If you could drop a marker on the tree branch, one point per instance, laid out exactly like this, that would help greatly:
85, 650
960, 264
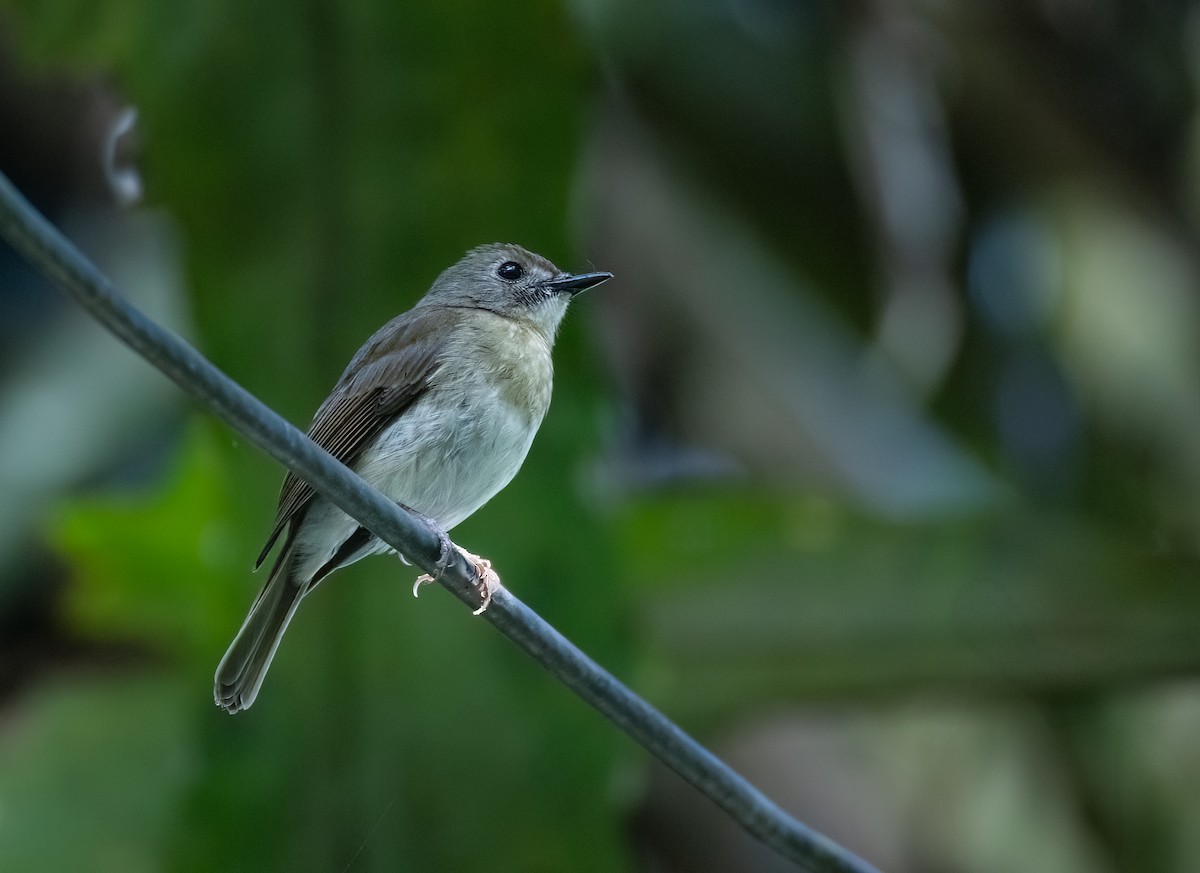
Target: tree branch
32, 235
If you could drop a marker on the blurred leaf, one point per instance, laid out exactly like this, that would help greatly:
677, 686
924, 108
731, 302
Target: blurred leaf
156, 569
787, 598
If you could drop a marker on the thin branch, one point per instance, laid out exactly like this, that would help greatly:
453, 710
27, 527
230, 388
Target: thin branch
51, 253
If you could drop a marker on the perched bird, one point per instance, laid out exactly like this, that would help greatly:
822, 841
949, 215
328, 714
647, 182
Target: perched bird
437, 411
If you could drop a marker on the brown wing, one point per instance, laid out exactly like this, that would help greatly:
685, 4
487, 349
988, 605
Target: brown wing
403, 357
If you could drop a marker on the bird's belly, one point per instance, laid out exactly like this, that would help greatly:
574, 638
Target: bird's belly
445, 460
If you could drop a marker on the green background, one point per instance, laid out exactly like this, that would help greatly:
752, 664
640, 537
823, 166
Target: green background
974, 650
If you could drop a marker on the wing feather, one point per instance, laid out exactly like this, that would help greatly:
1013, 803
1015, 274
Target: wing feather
388, 375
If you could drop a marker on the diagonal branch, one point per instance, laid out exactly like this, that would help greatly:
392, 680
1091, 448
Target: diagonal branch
32, 235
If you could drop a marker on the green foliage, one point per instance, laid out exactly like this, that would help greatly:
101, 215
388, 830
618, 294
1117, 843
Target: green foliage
998, 602
157, 569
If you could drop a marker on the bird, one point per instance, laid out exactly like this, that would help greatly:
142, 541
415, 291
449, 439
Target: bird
437, 410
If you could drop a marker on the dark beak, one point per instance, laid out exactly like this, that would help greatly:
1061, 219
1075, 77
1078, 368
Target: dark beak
577, 284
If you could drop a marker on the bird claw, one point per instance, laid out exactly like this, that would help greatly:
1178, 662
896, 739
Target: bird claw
444, 553
423, 579
486, 579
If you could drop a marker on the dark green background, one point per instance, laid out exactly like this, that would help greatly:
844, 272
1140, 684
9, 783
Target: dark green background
317, 165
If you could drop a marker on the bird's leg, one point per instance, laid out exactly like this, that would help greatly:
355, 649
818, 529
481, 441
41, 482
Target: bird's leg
444, 549
486, 579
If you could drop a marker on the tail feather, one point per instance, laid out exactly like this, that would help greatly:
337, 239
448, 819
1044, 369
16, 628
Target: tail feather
241, 672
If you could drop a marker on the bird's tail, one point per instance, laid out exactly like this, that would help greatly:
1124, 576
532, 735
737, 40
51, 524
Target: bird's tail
241, 672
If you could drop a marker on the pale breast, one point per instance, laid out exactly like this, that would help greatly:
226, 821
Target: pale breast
468, 435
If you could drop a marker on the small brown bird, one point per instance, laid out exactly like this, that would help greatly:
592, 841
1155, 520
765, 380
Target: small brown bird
437, 411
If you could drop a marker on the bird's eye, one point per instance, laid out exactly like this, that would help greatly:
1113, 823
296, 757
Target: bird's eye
510, 271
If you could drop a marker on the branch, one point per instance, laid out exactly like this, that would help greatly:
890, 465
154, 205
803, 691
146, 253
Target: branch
32, 235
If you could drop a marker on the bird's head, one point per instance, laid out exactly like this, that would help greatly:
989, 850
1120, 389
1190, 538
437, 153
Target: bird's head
512, 282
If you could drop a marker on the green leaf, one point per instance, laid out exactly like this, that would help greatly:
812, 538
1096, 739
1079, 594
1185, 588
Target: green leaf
160, 569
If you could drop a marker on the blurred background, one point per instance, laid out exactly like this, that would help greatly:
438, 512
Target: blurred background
877, 467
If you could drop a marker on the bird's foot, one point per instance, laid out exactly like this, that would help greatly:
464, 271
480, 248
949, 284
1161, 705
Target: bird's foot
486, 579
444, 549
